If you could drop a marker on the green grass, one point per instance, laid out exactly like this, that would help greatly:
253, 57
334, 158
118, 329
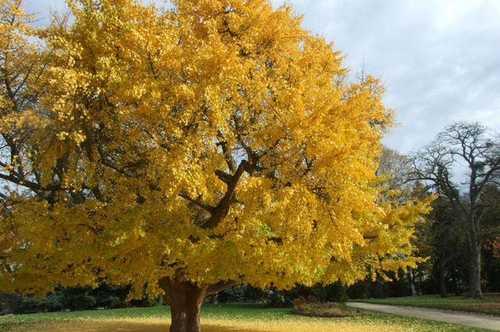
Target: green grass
215, 318
489, 304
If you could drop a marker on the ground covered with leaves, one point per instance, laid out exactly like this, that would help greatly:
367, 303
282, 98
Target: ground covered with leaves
216, 318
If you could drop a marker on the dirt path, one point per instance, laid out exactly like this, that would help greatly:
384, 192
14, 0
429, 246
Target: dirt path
461, 318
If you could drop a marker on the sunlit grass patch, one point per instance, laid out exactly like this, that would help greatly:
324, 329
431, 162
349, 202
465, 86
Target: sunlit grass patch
225, 318
122, 325
210, 325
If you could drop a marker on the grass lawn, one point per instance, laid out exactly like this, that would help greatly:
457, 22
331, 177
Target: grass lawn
489, 304
215, 318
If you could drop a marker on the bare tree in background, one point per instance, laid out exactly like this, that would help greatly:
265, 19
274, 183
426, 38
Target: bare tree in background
395, 166
462, 145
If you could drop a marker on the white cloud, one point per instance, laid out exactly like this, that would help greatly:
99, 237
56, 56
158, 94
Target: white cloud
439, 59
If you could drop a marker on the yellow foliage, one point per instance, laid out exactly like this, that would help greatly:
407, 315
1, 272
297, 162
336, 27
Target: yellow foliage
141, 122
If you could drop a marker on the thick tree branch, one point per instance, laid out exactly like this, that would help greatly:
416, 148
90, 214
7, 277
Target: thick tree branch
224, 177
198, 202
220, 286
222, 209
226, 151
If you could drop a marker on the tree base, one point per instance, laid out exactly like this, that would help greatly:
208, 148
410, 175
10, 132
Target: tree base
185, 300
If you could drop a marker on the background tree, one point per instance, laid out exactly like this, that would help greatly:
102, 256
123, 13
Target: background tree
491, 235
467, 145
186, 150
446, 237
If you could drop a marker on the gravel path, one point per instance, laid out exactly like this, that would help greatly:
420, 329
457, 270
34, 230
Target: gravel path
460, 318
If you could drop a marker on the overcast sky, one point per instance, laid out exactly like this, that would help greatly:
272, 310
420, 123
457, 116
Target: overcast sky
438, 59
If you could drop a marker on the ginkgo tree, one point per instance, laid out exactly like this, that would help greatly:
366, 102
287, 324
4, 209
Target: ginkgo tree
187, 149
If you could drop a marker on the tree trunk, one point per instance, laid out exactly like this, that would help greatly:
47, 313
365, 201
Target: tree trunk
475, 270
185, 300
411, 280
443, 291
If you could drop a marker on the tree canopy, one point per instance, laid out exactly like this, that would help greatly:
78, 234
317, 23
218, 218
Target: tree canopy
217, 140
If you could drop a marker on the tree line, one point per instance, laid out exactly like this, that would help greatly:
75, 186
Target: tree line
461, 167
